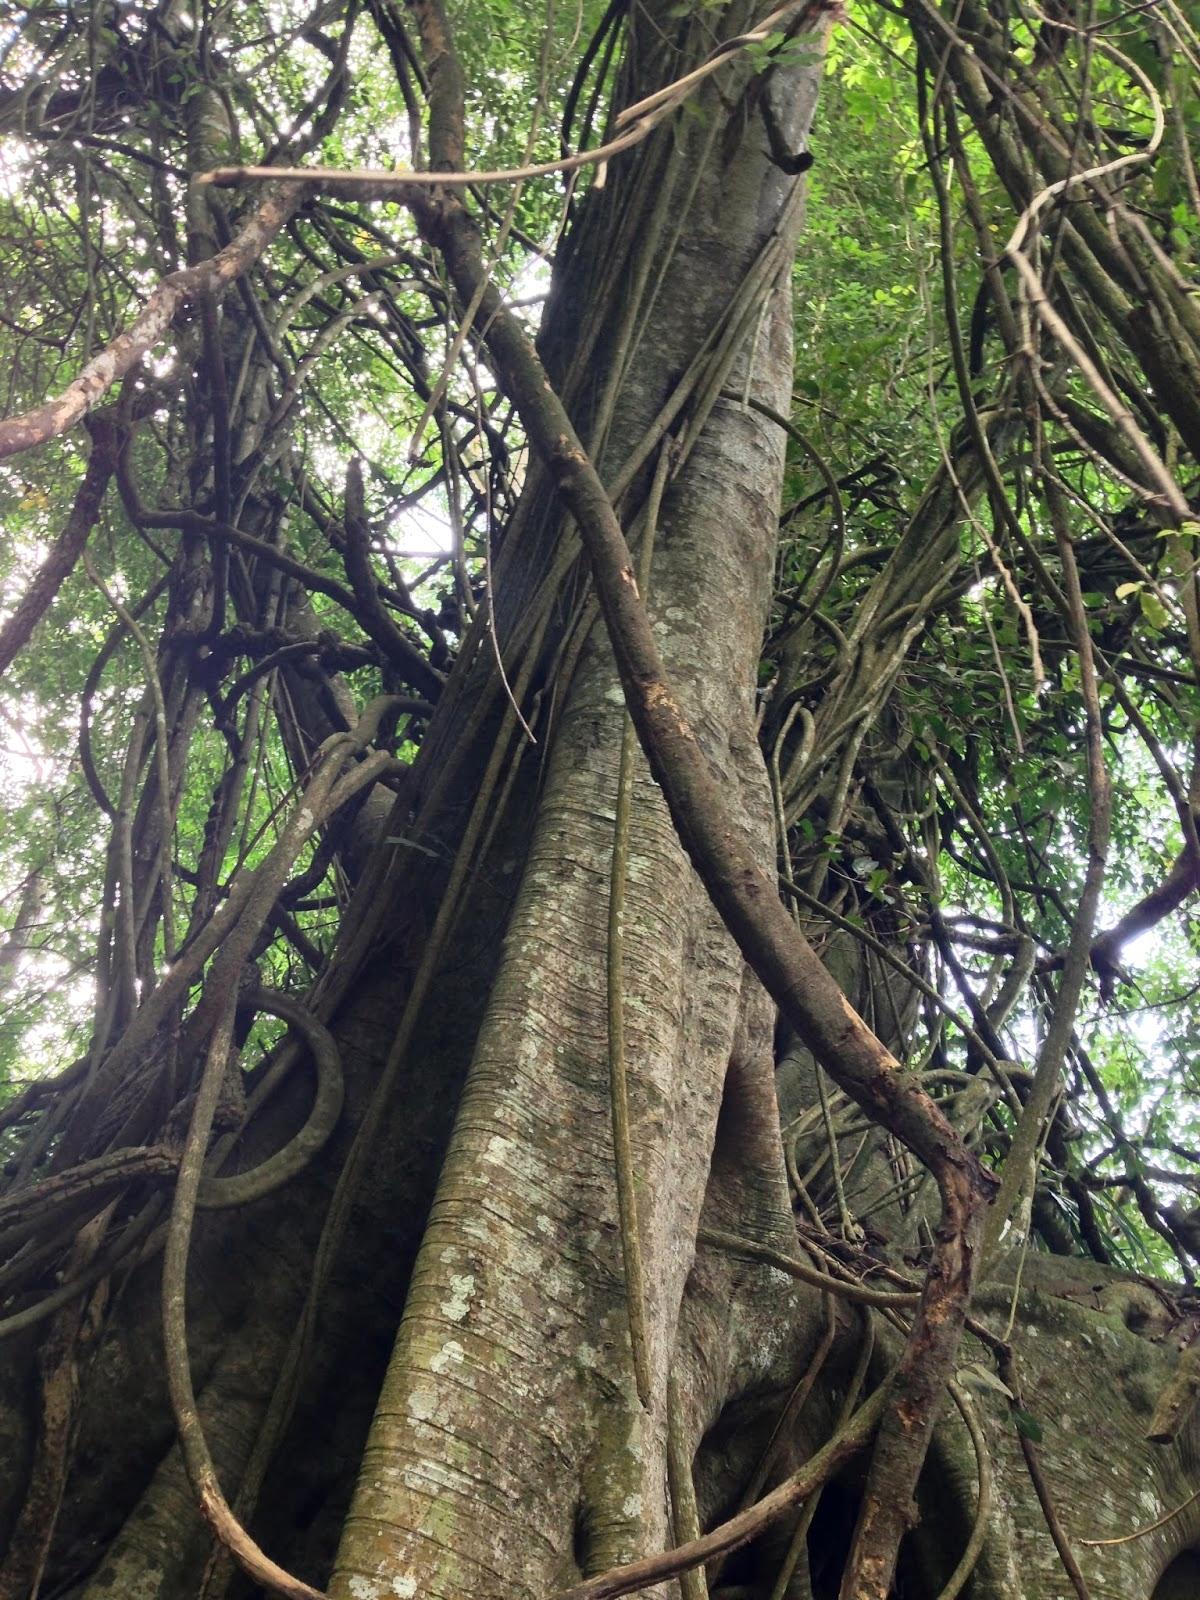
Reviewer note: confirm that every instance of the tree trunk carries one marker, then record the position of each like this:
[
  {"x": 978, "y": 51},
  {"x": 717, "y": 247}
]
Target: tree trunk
[{"x": 513, "y": 1364}]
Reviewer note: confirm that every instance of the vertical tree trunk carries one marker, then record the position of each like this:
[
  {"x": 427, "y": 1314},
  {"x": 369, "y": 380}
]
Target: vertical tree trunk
[{"x": 510, "y": 1450}]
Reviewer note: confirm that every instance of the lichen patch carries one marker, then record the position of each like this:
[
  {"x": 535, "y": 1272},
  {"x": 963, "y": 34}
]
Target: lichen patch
[
  {"x": 422, "y": 1404},
  {"x": 365, "y": 1588},
  {"x": 450, "y": 1355},
  {"x": 462, "y": 1286}
]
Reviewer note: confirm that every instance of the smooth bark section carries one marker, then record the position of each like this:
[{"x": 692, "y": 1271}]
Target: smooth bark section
[
  {"x": 783, "y": 959},
  {"x": 748, "y": 902},
  {"x": 508, "y": 1452}
]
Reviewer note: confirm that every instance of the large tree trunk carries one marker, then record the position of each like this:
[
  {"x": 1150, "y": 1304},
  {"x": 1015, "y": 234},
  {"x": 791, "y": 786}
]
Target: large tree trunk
[
  {"x": 518, "y": 1305},
  {"x": 510, "y": 1451}
]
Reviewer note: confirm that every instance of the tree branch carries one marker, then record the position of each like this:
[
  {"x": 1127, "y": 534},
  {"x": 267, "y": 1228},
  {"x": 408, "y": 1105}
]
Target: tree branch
[
  {"x": 67, "y": 548},
  {"x": 211, "y": 277}
]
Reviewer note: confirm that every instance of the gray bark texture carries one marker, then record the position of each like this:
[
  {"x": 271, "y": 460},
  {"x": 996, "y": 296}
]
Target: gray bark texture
[{"x": 509, "y": 1451}]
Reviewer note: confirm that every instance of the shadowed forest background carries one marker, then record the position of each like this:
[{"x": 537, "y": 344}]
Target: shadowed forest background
[{"x": 599, "y": 764}]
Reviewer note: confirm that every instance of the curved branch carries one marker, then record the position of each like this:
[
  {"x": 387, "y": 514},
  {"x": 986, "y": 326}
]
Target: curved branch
[
  {"x": 210, "y": 277},
  {"x": 747, "y": 1525},
  {"x": 239, "y": 1188}
]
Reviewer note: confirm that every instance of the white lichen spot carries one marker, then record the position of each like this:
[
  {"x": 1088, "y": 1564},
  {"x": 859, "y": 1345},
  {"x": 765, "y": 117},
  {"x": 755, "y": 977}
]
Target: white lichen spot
[
  {"x": 497, "y": 1150},
  {"x": 422, "y": 1403},
  {"x": 404, "y": 1587},
  {"x": 462, "y": 1285},
  {"x": 632, "y": 1506},
  {"x": 365, "y": 1588},
  {"x": 545, "y": 1226},
  {"x": 450, "y": 1355}
]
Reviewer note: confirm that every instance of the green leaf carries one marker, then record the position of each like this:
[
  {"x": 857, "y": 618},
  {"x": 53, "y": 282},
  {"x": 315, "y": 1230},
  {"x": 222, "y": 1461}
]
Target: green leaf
[
  {"x": 977, "y": 1376},
  {"x": 1028, "y": 1427},
  {"x": 1155, "y": 613}
]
